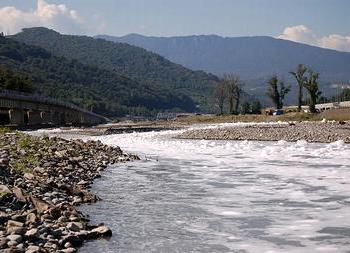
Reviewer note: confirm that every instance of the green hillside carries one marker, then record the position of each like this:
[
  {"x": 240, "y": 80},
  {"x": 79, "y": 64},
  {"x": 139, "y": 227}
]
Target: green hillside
[
  {"x": 100, "y": 90},
  {"x": 137, "y": 63}
]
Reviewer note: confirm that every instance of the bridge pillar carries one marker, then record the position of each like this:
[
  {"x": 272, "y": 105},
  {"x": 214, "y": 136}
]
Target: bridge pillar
[
  {"x": 4, "y": 117},
  {"x": 46, "y": 117},
  {"x": 16, "y": 117},
  {"x": 55, "y": 118},
  {"x": 34, "y": 117}
]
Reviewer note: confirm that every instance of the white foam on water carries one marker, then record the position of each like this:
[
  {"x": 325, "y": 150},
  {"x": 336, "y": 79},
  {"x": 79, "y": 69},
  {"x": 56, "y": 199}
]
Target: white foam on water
[{"x": 284, "y": 193}]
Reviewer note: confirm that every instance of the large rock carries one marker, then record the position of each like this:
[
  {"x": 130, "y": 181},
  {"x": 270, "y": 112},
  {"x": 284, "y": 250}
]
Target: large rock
[
  {"x": 4, "y": 190},
  {"x": 16, "y": 230},
  {"x": 33, "y": 249},
  {"x": 32, "y": 233},
  {"x": 19, "y": 194},
  {"x": 74, "y": 226},
  {"x": 41, "y": 206},
  {"x": 101, "y": 231},
  {"x": 12, "y": 223},
  {"x": 15, "y": 238}
]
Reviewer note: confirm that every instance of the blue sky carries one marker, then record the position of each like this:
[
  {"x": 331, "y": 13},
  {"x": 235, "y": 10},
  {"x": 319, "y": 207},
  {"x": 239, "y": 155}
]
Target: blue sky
[{"x": 321, "y": 18}]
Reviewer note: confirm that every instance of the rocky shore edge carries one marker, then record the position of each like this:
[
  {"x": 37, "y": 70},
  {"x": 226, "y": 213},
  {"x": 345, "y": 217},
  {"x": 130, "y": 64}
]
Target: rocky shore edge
[
  {"x": 323, "y": 132},
  {"x": 42, "y": 181}
]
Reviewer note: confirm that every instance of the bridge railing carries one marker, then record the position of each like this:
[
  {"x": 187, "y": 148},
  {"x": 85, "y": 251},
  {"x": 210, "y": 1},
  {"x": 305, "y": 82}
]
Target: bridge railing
[{"x": 37, "y": 98}]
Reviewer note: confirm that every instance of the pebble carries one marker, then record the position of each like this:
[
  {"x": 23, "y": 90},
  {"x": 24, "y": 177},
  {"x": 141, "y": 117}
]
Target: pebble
[
  {"x": 324, "y": 132},
  {"x": 39, "y": 212}
]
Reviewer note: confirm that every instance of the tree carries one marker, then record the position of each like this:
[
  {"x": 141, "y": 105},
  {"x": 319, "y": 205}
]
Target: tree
[
  {"x": 301, "y": 79},
  {"x": 10, "y": 80},
  {"x": 234, "y": 91},
  {"x": 311, "y": 85},
  {"x": 246, "y": 108},
  {"x": 277, "y": 91},
  {"x": 220, "y": 96},
  {"x": 256, "y": 107}
]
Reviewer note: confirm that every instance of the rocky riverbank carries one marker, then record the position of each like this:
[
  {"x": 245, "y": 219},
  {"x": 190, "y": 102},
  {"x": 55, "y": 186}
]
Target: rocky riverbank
[
  {"x": 324, "y": 132},
  {"x": 42, "y": 181}
]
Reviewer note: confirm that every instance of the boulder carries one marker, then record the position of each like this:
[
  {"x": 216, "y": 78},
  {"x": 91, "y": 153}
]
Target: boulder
[
  {"x": 15, "y": 238},
  {"x": 12, "y": 223},
  {"x": 101, "y": 231},
  {"x": 74, "y": 226},
  {"x": 33, "y": 249},
  {"x": 19, "y": 194},
  {"x": 4, "y": 190},
  {"x": 32, "y": 233},
  {"x": 41, "y": 206},
  {"x": 16, "y": 230}
]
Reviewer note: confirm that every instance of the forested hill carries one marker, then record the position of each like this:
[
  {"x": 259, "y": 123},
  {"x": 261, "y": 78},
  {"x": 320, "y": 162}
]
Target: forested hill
[
  {"x": 102, "y": 90},
  {"x": 134, "y": 62}
]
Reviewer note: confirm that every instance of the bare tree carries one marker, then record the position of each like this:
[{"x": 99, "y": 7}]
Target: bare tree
[
  {"x": 234, "y": 91},
  {"x": 277, "y": 91},
  {"x": 301, "y": 79},
  {"x": 311, "y": 85},
  {"x": 220, "y": 96}
]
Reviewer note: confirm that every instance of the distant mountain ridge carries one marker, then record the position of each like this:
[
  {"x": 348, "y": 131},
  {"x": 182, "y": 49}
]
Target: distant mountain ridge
[
  {"x": 250, "y": 57},
  {"x": 148, "y": 69}
]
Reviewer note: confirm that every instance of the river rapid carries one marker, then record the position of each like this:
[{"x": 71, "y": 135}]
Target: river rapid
[{"x": 223, "y": 196}]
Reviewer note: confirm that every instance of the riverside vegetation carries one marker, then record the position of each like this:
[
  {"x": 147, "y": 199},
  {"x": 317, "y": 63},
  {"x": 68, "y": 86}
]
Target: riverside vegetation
[{"x": 42, "y": 181}]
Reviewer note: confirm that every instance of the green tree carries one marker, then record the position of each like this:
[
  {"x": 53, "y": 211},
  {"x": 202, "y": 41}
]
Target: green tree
[
  {"x": 277, "y": 91},
  {"x": 311, "y": 85},
  {"x": 301, "y": 79},
  {"x": 246, "y": 108},
  {"x": 10, "y": 80},
  {"x": 256, "y": 107}
]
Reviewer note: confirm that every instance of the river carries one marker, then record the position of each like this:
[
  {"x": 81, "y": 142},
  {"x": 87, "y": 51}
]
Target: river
[{"x": 223, "y": 196}]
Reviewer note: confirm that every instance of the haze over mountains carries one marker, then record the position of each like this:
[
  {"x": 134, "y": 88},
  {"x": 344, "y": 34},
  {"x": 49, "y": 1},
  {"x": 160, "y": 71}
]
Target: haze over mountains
[{"x": 250, "y": 57}]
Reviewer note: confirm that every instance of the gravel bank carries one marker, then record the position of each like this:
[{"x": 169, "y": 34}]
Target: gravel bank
[
  {"x": 42, "y": 180},
  {"x": 309, "y": 131}
]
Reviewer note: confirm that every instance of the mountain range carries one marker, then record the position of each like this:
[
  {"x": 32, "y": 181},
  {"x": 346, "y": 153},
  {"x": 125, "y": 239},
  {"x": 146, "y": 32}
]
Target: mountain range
[{"x": 253, "y": 58}]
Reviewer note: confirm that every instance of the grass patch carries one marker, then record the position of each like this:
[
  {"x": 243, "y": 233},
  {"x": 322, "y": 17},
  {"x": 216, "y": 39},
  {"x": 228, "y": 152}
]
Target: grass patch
[
  {"x": 292, "y": 116},
  {"x": 4, "y": 130}
]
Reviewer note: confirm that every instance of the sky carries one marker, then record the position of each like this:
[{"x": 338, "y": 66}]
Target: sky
[{"x": 324, "y": 23}]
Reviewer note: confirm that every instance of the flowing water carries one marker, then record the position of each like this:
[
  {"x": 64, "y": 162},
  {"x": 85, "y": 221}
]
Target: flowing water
[{"x": 224, "y": 196}]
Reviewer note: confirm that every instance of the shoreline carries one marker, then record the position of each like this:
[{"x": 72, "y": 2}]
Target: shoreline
[
  {"x": 312, "y": 132},
  {"x": 42, "y": 181}
]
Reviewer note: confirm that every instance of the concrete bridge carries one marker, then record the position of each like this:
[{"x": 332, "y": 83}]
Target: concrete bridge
[{"x": 23, "y": 109}]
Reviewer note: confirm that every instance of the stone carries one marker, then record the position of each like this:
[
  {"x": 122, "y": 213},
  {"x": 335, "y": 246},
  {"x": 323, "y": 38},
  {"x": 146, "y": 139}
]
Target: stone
[
  {"x": 20, "y": 218},
  {"x": 19, "y": 194},
  {"x": 16, "y": 230},
  {"x": 67, "y": 245},
  {"x": 12, "y": 223},
  {"x": 28, "y": 176},
  {"x": 4, "y": 190},
  {"x": 69, "y": 250},
  {"x": 39, "y": 170},
  {"x": 33, "y": 249},
  {"x": 32, "y": 233},
  {"x": 31, "y": 218},
  {"x": 16, "y": 238},
  {"x": 12, "y": 244},
  {"x": 74, "y": 226},
  {"x": 75, "y": 240},
  {"x": 40, "y": 205},
  {"x": 101, "y": 231}
]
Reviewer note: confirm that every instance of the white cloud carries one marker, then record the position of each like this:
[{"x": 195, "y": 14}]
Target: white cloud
[
  {"x": 305, "y": 35},
  {"x": 55, "y": 16}
]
